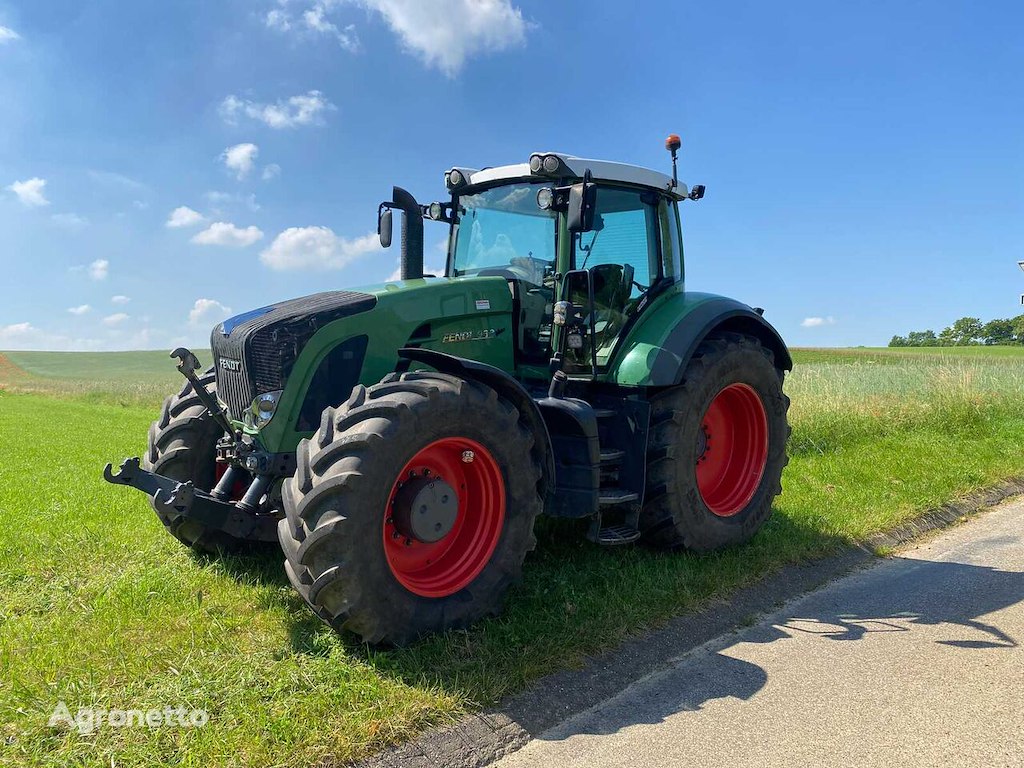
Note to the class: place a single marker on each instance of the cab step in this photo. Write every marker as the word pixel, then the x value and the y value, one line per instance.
pixel 611 455
pixel 617 535
pixel 608 497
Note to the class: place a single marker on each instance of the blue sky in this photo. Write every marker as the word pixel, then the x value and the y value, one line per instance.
pixel 864 161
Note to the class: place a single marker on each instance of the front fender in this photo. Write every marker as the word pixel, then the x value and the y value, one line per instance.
pixel 660 345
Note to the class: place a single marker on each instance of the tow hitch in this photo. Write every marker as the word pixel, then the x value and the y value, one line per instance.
pixel 214 509
pixel 184 500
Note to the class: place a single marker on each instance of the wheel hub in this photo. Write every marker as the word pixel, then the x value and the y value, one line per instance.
pixel 425 509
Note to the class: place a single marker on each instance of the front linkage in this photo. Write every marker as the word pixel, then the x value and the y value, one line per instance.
pixel 215 509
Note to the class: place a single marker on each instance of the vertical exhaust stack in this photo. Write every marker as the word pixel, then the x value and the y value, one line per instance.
pixel 412 234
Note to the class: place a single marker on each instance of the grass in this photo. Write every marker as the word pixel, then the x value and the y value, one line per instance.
pixel 120 378
pixel 101 608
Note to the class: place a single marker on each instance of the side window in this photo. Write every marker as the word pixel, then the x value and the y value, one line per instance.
pixel 624 234
pixel 622 255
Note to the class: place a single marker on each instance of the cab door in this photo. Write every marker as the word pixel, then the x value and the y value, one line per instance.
pixel 623 255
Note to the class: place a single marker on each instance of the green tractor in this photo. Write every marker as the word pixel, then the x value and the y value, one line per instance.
pixel 399 440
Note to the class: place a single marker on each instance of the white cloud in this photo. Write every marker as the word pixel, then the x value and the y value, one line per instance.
pixel 271 171
pixel 140 205
pixel 207 312
pixel 99 269
pixel 7 34
pixel 27 336
pixel 316 248
pixel 79 310
pixel 278 19
pixel 444 33
pixel 302 109
pixel 314 21
pixel 119 299
pixel 69 220
pixel 240 158
pixel 226 233
pixel 817 322
pixel 30 192
pixel 115 319
pixel 183 216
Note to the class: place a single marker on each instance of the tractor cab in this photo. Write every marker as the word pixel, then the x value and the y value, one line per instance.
pixel 601 236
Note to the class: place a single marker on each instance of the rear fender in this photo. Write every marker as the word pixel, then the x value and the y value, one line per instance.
pixel 661 345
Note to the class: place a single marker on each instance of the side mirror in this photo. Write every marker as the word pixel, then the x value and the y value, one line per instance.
pixel 577 289
pixel 582 205
pixel 384 227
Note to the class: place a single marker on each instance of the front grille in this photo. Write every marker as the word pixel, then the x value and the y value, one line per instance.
pixel 257 354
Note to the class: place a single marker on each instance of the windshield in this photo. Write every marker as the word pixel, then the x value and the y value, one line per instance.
pixel 502 231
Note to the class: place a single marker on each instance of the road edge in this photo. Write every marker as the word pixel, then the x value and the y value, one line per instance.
pixel 480 738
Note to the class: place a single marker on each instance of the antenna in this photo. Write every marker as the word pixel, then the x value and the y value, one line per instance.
pixel 672 144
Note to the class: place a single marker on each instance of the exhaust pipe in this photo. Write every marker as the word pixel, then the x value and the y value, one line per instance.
pixel 412 234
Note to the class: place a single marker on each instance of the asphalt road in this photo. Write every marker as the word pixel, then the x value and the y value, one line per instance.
pixel 914 662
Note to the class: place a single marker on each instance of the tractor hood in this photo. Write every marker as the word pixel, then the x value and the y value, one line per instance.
pixel 254 352
pixel 313 350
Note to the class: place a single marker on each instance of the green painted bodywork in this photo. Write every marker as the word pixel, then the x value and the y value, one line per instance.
pixel 456 326
pixel 471 317
pixel 632 364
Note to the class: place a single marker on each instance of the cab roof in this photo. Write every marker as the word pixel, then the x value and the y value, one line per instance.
pixel 600 170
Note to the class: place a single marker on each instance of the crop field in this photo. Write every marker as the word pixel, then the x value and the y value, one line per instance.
pixel 99 607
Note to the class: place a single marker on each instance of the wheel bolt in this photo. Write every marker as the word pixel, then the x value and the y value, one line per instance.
pixel 467 457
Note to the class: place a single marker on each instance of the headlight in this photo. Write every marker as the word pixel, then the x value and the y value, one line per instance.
pixel 548 165
pixel 263 408
pixel 454 179
pixel 545 198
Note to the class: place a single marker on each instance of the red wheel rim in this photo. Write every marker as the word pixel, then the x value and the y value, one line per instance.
pixel 732 449
pixel 443 567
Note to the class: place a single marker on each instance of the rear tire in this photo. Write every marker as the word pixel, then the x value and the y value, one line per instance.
pixel 717 448
pixel 182 445
pixel 344 549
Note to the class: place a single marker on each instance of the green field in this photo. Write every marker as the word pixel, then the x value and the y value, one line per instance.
pixel 125 378
pixel 101 608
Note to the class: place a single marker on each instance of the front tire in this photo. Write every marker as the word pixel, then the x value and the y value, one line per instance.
pixel 182 445
pixel 411 508
pixel 717 448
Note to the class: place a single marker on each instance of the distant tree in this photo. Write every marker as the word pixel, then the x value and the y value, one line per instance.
pixel 998 331
pixel 965 331
pixel 922 339
pixel 1018 329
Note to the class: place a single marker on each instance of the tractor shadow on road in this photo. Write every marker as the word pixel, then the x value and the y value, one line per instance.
pixel 897 597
